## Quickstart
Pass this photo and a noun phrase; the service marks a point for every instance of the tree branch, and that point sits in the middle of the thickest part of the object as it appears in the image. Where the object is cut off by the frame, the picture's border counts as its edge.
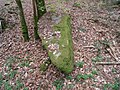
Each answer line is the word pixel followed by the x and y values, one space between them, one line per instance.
pixel 107 63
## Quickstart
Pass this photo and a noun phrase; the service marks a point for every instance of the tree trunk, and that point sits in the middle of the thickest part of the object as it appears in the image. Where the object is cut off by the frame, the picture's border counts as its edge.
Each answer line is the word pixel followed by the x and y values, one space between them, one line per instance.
pixel 23 22
pixel 35 13
pixel 41 9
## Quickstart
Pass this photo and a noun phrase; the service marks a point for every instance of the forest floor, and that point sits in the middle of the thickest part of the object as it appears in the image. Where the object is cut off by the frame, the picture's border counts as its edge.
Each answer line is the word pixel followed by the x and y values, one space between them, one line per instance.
pixel 96 38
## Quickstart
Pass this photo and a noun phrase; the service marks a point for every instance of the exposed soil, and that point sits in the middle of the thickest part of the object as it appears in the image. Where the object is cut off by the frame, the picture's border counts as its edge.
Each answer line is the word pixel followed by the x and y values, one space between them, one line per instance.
pixel 96 38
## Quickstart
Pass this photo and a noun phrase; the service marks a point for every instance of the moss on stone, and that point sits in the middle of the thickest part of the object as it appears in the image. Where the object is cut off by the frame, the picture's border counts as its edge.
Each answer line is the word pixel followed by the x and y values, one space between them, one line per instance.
pixel 65 61
pixel 62 58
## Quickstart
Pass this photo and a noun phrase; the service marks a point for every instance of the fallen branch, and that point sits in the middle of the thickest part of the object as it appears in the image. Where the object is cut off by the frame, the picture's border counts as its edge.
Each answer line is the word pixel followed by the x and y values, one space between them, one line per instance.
pixel 102 73
pixel 89 46
pixel 105 75
pixel 112 54
pixel 107 63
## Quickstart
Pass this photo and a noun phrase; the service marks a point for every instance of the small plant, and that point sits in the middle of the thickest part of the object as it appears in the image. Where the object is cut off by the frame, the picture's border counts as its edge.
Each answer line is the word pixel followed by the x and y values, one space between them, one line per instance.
pixel 7 86
pixel 80 76
pixel 94 72
pixel 114 70
pixel 105 42
pixel 97 58
pixel 41 7
pixel 83 77
pixel 70 86
pixel 9 61
pixel 69 77
pixel 58 84
pixel 107 86
pixel 114 86
pixel 12 74
pixel 26 88
pixel 90 75
pixel 24 63
pixel 77 5
pixel 19 85
pixel 80 64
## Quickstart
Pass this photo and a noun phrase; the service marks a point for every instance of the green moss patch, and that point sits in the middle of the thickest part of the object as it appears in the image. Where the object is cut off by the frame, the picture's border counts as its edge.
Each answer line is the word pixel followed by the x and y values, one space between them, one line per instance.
pixel 59 47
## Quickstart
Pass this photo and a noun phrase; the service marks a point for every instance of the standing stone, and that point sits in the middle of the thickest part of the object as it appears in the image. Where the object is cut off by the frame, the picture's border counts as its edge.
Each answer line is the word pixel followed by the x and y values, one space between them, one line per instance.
pixel 59 47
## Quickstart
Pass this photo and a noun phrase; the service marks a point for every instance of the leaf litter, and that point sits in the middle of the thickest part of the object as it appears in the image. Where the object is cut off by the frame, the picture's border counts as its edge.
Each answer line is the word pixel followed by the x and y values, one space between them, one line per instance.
pixel 92 24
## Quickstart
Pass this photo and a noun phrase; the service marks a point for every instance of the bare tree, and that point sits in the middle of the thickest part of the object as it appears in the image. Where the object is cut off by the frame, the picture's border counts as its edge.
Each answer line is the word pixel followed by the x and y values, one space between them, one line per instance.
pixel 35 15
pixel 41 9
pixel 23 22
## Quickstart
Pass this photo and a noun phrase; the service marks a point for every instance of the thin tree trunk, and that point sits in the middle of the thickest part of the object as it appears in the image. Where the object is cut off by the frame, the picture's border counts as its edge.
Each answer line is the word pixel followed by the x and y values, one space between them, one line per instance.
pixel 35 13
pixel 41 9
pixel 23 22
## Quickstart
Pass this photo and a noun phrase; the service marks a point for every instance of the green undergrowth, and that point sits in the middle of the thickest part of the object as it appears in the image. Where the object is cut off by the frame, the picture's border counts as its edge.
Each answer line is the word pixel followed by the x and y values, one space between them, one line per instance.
pixel 112 86
pixel 59 83
pixel 10 74
pixel 79 64
pixel 101 46
pixel 79 78
pixel 77 5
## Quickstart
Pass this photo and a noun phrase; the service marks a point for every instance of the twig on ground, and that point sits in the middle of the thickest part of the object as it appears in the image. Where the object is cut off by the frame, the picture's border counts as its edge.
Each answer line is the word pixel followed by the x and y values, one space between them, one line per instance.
pixel 107 63
pixel 105 75
pixel 112 53
pixel 91 46
pixel 109 79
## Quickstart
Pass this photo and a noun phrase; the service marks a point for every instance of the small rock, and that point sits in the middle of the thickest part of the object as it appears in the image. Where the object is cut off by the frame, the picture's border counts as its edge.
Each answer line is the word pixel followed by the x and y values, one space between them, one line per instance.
pixel 2 25
pixel 26 75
